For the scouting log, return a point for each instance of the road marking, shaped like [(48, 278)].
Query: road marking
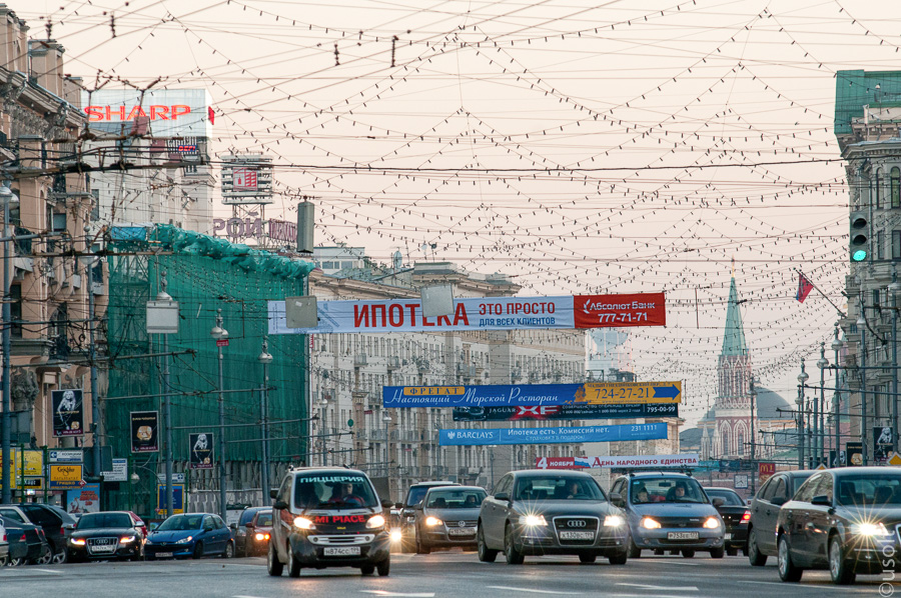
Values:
[(49, 571), (668, 589), (386, 593), (533, 591)]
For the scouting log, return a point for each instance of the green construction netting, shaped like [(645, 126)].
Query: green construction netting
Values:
[(204, 274)]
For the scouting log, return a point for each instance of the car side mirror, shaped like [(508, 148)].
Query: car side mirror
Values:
[(779, 500), (398, 505), (69, 526), (502, 496), (139, 527), (718, 502), (233, 525), (387, 504), (273, 494), (417, 507), (280, 504), (821, 500)]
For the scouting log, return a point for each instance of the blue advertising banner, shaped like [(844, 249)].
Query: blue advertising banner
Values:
[(552, 435), (563, 412)]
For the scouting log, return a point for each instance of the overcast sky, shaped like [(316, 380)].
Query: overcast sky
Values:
[(634, 146)]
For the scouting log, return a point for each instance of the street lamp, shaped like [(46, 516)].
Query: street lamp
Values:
[(862, 327), (894, 288), (387, 419), (323, 419), (802, 380), (837, 345), (819, 436), (221, 335), (8, 199), (265, 358)]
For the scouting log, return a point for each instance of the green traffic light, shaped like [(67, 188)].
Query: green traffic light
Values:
[(859, 255)]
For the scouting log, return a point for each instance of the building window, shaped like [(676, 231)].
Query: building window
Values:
[(896, 244), (726, 443), (896, 187), (880, 242), (877, 196), (741, 443)]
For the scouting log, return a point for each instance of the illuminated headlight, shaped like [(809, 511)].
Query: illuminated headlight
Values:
[(148, 541), (613, 521), (870, 529), (649, 523), (126, 539), (185, 540), (711, 523), (396, 535), (303, 523), (376, 521), (411, 519), (532, 520), (76, 542), (432, 521)]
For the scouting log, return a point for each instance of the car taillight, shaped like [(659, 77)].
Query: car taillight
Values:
[(62, 531), (746, 517), (22, 539)]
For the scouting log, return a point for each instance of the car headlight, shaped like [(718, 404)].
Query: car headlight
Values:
[(532, 520), (432, 521), (303, 523), (126, 539), (396, 535), (76, 541), (261, 536), (613, 521), (649, 523), (711, 523), (870, 529), (376, 521), (185, 540)]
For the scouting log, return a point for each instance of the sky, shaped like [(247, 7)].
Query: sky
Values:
[(578, 147)]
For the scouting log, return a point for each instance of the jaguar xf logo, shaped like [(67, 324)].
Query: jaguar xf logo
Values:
[(575, 523)]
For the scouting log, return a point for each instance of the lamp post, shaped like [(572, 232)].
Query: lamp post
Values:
[(753, 437), (862, 327), (264, 358), (323, 420), (802, 380), (820, 436), (221, 335), (836, 398), (387, 419), (894, 288), (8, 198)]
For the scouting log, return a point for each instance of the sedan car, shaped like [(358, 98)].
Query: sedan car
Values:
[(259, 532), (27, 544), (243, 536), (190, 535), (670, 511), (447, 517), (735, 516), (538, 512), (405, 528), (764, 508), (106, 535), (56, 523), (844, 520)]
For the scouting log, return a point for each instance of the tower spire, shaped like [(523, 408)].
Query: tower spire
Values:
[(734, 335)]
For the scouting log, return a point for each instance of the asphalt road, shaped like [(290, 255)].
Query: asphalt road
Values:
[(440, 574)]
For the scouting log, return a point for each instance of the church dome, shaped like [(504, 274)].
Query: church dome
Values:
[(771, 405)]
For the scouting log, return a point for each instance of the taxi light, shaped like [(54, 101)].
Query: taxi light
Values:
[(396, 535), (613, 521), (746, 517), (432, 521), (711, 523), (870, 529), (533, 520), (375, 521), (77, 542), (303, 523), (649, 523)]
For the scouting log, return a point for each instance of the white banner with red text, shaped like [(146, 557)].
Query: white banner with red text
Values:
[(686, 460)]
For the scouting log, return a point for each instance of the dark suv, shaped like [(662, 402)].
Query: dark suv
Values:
[(407, 523), (56, 523), (328, 517)]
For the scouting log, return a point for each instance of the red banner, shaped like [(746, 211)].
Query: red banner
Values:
[(616, 311)]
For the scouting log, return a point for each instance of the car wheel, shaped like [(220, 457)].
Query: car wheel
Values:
[(229, 551), (273, 565), (634, 551), (59, 558), (514, 557), (367, 569), (587, 557), (46, 556), (384, 568), (619, 559), (756, 558), (717, 553), (422, 547), (486, 555), (5, 561), (16, 562), (841, 573), (787, 570), (688, 553), (198, 551), (293, 563)]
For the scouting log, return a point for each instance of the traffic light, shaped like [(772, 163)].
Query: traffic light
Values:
[(860, 236)]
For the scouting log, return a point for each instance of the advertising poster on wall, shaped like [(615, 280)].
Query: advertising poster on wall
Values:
[(201, 450), (145, 431), (83, 500), (68, 412)]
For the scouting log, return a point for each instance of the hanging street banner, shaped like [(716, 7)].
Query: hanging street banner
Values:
[(68, 412), (564, 412), (531, 395), (481, 313), (145, 431), (201, 450), (561, 435), (686, 460)]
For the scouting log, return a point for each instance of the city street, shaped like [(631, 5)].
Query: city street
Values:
[(448, 574)]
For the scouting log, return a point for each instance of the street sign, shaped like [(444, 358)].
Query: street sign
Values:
[(177, 478), (119, 472), (894, 459), (222, 342), (67, 456), (741, 481), (612, 393)]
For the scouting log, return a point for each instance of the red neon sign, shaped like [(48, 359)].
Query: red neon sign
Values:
[(118, 113)]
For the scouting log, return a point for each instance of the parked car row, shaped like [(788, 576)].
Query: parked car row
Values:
[(36, 533)]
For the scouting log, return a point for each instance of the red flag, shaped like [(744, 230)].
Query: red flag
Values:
[(804, 287), (211, 115)]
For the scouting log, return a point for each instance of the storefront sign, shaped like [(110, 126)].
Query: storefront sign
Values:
[(65, 477), (560, 435)]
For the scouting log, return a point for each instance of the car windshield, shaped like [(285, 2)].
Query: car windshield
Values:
[(557, 487), (181, 523), (333, 490), (99, 520), (666, 489), (729, 497), (451, 498), (869, 491), (264, 519)]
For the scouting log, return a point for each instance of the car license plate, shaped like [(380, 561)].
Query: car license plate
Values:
[(163, 555), (727, 536), (577, 535), (341, 551), (461, 531), (682, 536), (102, 549)]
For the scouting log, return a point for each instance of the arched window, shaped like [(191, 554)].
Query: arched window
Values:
[(877, 189), (741, 443), (896, 187), (726, 450)]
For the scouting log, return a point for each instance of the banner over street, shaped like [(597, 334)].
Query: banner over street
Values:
[(562, 435)]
